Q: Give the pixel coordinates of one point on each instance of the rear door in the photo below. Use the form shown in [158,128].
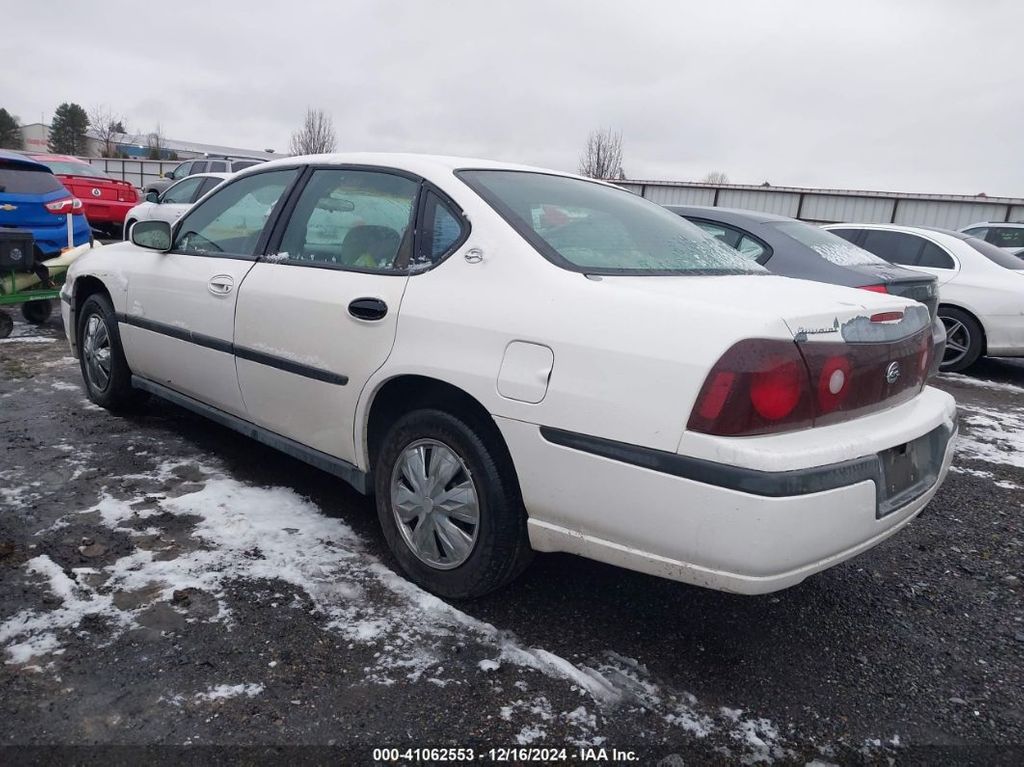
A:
[315,320]
[911,251]
[179,324]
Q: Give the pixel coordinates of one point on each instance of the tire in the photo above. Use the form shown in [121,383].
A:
[100,351]
[37,312]
[499,549]
[964,339]
[6,324]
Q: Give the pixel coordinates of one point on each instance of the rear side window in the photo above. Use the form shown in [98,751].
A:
[352,219]
[935,257]
[19,179]
[231,220]
[239,164]
[978,231]
[443,229]
[750,248]
[1005,236]
[198,167]
[894,247]
[720,232]
[217,167]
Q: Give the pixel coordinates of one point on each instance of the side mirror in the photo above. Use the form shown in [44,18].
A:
[153,235]
[152,196]
[169,174]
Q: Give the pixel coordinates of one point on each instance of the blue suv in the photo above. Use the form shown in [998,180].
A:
[32,199]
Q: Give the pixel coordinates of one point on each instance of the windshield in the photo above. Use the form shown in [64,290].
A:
[996,254]
[593,228]
[66,168]
[829,246]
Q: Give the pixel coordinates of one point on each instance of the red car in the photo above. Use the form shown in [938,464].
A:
[106,199]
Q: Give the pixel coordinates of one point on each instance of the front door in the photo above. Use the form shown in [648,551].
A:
[179,324]
[315,320]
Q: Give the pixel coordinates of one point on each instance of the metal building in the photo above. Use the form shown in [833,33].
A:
[826,206]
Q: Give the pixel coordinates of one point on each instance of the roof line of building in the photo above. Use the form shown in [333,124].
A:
[979,198]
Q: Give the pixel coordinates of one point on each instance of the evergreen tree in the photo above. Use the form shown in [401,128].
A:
[67,133]
[10,133]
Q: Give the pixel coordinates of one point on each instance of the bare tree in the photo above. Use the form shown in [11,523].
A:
[715,177]
[602,156]
[108,127]
[316,136]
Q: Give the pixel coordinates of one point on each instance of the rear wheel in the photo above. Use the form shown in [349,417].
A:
[964,339]
[37,312]
[108,379]
[6,324]
[449,504]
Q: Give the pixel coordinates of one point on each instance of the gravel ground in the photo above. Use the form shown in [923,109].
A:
[166,581]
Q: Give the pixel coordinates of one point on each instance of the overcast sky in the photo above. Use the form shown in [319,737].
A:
[915,95]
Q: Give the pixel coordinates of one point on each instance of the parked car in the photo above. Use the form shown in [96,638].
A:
[792,248]
[34,200]
[173,201]
[105,199]
[513,359]
[1002,234]
[981,287]
[208,164]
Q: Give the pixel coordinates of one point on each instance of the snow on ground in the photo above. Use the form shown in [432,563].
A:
[993,436]
[959,379]
[252,533]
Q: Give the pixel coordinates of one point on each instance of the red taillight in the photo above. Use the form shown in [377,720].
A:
[761,386]
[875,288]
[775,392]
[65,205]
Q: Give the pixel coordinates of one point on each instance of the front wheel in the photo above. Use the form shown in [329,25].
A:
[964,338]
[108,379]
[449,504]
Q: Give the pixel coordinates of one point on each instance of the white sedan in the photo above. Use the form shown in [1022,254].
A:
[516,360]
[170,204]
[981,286]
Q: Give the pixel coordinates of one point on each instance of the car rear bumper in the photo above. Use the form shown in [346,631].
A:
[729,528]
[52,239]
[1004,335]
[102,212]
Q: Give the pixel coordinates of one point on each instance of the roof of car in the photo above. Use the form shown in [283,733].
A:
[22,159]
[421,164]
[727,214]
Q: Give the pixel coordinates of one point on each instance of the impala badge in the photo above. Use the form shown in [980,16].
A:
[892,373]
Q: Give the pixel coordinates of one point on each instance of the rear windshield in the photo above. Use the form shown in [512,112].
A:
[75,169]
[996,254]
[589,227]
[1006,236]
[19,179]
[829,246]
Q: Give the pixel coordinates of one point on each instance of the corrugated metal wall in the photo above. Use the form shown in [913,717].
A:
[835,205]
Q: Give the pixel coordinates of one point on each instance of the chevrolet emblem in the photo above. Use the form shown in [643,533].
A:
[8,206]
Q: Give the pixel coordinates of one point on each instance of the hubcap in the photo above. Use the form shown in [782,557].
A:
[435,504]
[96,353]
[958,340]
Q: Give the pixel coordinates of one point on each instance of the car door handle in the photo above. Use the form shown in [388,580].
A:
[368,309]
[221,285]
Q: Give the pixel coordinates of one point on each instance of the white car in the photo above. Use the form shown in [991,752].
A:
[981,286]
[513,359]
[1003,234]
[173,201]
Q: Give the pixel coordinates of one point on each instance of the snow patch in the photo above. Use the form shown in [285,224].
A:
[226,691]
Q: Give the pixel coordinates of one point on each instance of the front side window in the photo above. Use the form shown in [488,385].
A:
[182,192]
[181,171]
[231,220]
[590,227]
[354,219]
[1005,236]
[829,246]
[894,247]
